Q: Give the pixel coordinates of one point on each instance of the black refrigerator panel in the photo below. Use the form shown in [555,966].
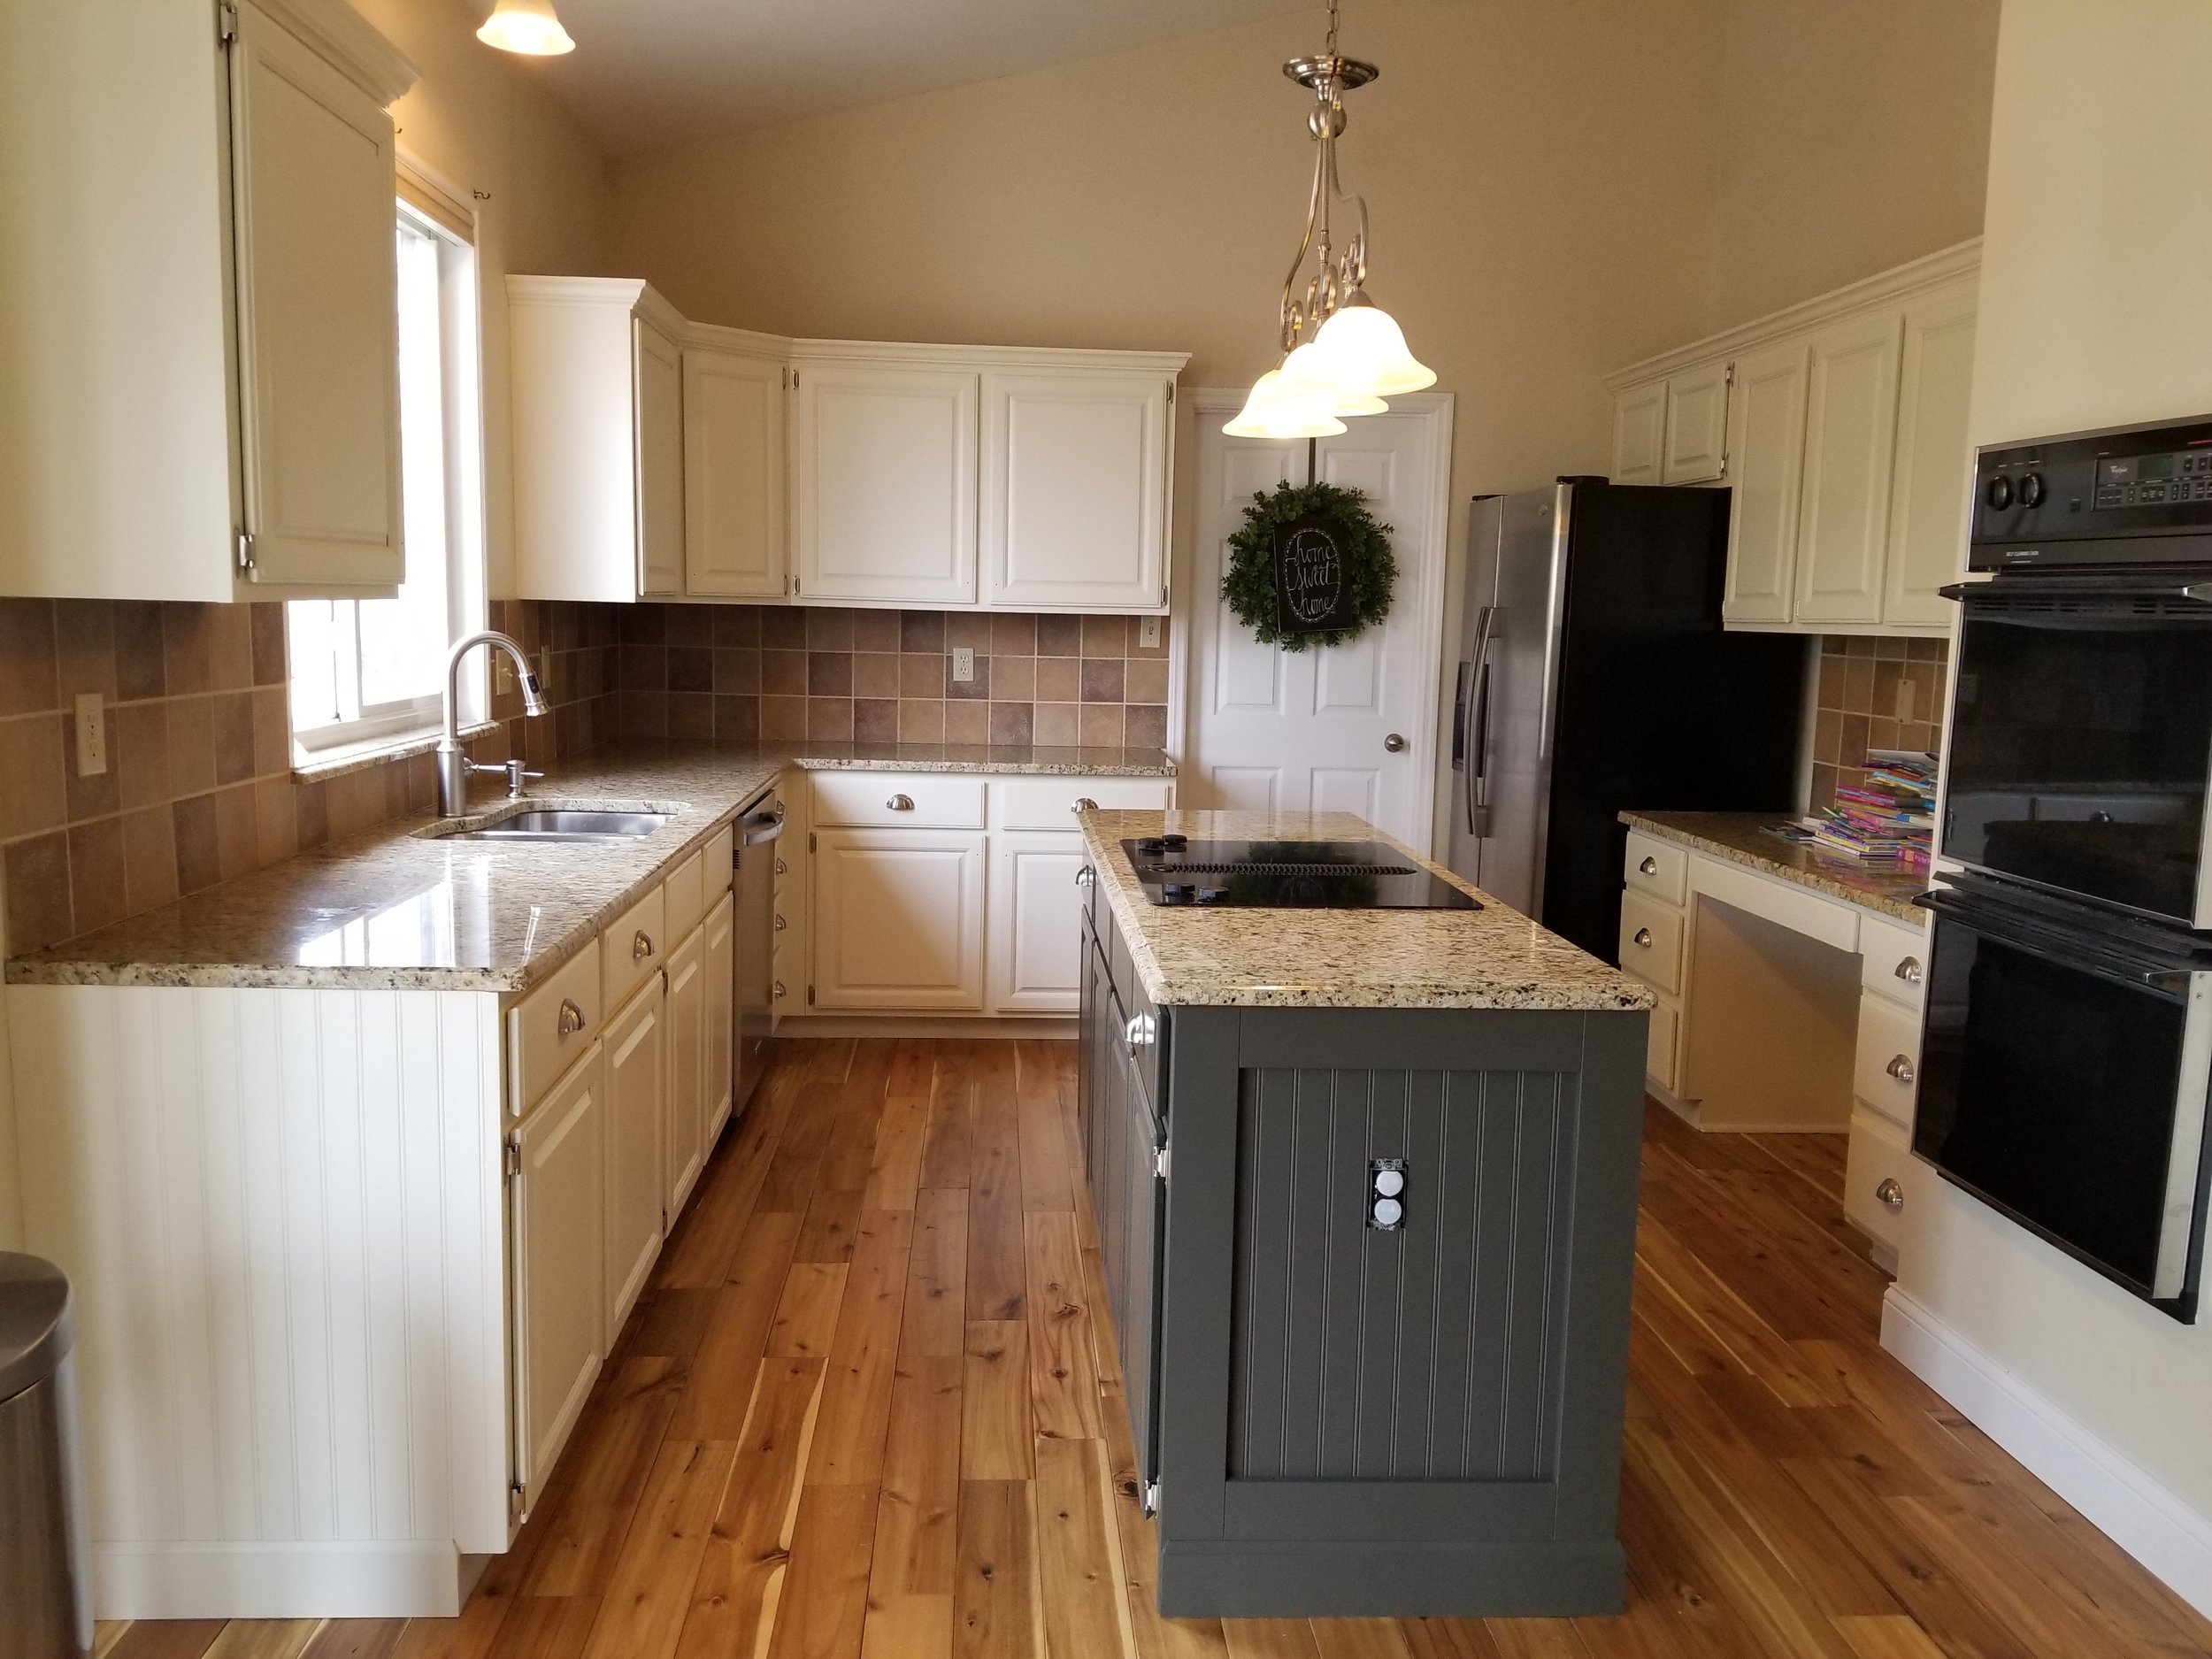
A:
[1659,708]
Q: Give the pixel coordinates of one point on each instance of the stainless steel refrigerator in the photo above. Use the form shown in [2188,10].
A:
[1594,676]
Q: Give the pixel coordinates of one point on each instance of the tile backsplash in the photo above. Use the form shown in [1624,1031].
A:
[1875,692]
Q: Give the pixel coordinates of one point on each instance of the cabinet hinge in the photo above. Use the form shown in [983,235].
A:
[795,584]
[1151,1497]
[810,841]
[810,996]
[226,23]
[1159,1163]
[794,380]
[245,552]
[511,1158]
[1170,392]
[518,1495]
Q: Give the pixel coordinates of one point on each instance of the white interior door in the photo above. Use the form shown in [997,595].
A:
[1312,731]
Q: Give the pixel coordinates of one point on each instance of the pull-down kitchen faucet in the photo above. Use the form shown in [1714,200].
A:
[454,765]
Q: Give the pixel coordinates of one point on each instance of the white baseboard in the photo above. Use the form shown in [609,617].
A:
[2117,1497]
[1690,1113]
[355,1579]
[1042,1027]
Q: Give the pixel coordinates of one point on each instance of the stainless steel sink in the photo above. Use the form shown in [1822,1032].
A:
[566,823]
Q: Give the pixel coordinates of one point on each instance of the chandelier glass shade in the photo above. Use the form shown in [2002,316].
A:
[527,27]
[1342,353]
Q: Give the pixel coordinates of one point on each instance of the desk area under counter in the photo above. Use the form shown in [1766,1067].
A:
[1788,986]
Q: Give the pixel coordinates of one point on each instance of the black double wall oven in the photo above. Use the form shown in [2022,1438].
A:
[2067,1053]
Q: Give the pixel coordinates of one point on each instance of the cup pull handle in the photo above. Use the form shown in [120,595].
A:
[1890,1193]
[640,946]
[901,803]
[1901,1068]
[1908,970]
[1650,866]
[1083,804]
[1643,937]
[572,1018]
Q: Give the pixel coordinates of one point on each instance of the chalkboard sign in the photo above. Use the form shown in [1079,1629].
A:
[1313,589]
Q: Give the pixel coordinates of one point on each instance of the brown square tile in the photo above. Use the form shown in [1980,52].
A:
[921,674]
[238,831]
[967,722]
[1854,750]
[828,629]
[1858,684]
[1830,693]
[191,745]
[737,719]
[875,630]
[976,688]
[1137,649]
[1055,723]
[275,820]
[1889,648]
[198,862]
[1834,644]
[1013,678]
[875,674]
[233,712]
[691,715]
[310,806]
[268,643]
[737,670]
[1013,636]
[1824,790]
[1860,645]
[644,668]
[736,626]
[28,674]
[691,626]
[1103,679]
[782,719]
[828,674]
[783,674]
[149,857]
[641,624]
[185,632]
[970,628]
[921,721]
[829,720]
[142,753]
[1921,650]
[1105,636]
[32,796]
[272,731]
[1828,736]
[1144,725]
[690,668]
[38,892]
[1012,723]
[1059,679]
[99,795]
[642,714]
[783,628]
[921,631]
[1888,675]
[875,719]
[229,645]
[84,641]
[1101,726]
[1882,734]
[138,650]
[1145,680]
[1059,636]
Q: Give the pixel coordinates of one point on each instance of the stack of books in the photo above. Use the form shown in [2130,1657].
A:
[1889,818]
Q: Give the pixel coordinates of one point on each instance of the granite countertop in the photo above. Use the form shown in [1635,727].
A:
[1493,958]
[393,908]
[1741,838]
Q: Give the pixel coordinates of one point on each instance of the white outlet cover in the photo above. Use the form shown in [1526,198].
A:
[92,735]
[1149,631]
[963,663]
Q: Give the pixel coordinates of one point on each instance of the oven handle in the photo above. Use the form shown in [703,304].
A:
[2083,953]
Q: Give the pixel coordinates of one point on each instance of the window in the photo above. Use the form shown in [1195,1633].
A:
[371,671]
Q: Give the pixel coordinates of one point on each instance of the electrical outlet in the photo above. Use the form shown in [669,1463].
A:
[1906,699]
[92,735]
[963,663]
[1148,633]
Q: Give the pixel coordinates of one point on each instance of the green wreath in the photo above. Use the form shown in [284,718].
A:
[1371,568]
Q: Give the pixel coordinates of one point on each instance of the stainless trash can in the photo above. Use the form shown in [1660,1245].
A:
[43,1582]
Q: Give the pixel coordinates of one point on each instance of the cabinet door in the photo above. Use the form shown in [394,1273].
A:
[1935,464]
[637,1089]
[1850,439]
[1142,1197]
[684,1116]
[556,1213]
[733,474]
[1074,490]
[1697,425]
[720,929]
[1639,427]
[885,483]
[1766,449]
[659,366]
[898,919]
[1036,934]
[313,191]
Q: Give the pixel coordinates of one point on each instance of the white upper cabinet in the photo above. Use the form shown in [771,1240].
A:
[1075,490]
[734,425]
[598,413]
[201,392]
[883,486]
[1843,444]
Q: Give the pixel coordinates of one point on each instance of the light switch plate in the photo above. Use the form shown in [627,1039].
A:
[963,663]
[1148,633]
[92,735]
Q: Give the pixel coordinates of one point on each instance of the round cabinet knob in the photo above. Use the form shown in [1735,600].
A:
[2032,490]
[1389,1183]
[640,945]
[1394,744]
[1908,970]
[1650,866]
[1890,1193]
[571,1019]
[1388,1212]
[1999,495]
[1643,937]
[901,803]
[1083,804]
[1901,1068]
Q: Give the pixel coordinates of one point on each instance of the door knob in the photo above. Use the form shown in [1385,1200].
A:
[1394,744]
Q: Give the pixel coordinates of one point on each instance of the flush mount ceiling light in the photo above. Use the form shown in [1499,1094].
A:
[527,27]
[1342,353]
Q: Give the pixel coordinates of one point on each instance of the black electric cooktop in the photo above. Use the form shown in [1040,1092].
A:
[1289,875]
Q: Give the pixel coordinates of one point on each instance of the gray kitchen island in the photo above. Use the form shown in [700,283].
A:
[1365,1182]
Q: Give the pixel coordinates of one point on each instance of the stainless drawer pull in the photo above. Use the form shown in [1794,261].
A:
[1138,1034]
[1890,1193]
[1908,970]
[640,946]
[782,868]
[571,1020]
[1643,937]
[901,803]
[780,924]
[1086,876]
[1083,804]
[1901,1068]
[1650,866]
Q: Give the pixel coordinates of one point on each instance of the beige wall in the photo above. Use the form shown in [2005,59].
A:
[2094,272]
[1854,136]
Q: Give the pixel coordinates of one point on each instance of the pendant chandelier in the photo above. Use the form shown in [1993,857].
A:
[1342,353]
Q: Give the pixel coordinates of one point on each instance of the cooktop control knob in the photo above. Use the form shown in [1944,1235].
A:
[1175,893]
[2032,490]
[1174,843]
[1999,495]
[1211,895]
[1151,844]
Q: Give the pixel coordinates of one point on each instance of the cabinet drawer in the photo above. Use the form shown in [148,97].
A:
[721,865]
[541,1044]
[1879,1177]
[1139,1022]
[1663,1045]
[1892,960]
[1051,803]
[1883,1075]
[633,948]
[892,800]
[1651,942]
[1655,867]
[684,897]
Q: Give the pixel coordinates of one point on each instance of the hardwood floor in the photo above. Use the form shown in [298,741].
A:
[871,1408]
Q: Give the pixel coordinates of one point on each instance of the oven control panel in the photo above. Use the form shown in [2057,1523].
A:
[2134,496]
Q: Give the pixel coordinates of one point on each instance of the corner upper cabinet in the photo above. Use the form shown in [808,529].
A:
[1672,431]
[884,481]
[735,389]
[201,401]
[1640,432]
[1075,485]
[596,376]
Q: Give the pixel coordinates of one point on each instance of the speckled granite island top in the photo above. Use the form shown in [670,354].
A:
[1493,958]
[393,908]
[1741,839]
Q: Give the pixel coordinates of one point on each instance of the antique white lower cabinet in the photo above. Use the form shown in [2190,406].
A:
[898,921]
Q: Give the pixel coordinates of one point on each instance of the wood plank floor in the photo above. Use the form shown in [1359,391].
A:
[871,1408]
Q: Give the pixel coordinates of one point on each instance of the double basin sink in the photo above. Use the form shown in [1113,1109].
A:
[558,823]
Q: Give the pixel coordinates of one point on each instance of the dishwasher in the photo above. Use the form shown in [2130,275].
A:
[759,825]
